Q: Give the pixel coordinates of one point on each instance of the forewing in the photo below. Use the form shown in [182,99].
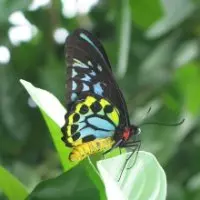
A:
[89,71]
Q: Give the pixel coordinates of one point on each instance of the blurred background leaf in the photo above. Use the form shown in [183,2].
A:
[144,19]
[67,186]
[162,72]
[10,186]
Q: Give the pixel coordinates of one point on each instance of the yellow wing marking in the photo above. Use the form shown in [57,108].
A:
[77,142]
[114,116]
[103,103]
[69,130]
[70,140]
[78,107]
[70,118]
[90,100]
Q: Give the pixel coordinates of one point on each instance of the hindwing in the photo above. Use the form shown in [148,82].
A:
[90,118]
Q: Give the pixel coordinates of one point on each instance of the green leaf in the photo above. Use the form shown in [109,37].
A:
[145,166]
[144,180]
[187,79]
[7,7]
[53,113]
[94,175]
[187,52]
[74,185]
[158,60]
[11,187]
[125,37]
[145,12]
[172,18]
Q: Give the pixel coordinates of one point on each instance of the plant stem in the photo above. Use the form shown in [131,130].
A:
[125,33]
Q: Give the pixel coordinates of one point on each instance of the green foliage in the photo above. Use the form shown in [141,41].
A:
[67,186]
[143,18]
[10,186]
[171,17]
[8,7]
[134,179]
[191,87]
[53,113]
[160,70]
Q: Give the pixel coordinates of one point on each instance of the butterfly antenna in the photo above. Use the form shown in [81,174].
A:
[164,124]
[149,110]
[147,113]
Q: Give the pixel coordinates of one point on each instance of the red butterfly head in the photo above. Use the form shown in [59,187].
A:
[130,131]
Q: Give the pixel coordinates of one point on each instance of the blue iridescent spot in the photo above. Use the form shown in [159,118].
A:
[74,85]
[87,131]
[92,73]
[73,96]
[86,78]
[97,133]
[85,87]
[103,134]
[98,89]
[101,123]
[80,126]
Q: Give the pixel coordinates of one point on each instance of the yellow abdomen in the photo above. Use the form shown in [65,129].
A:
[83,150]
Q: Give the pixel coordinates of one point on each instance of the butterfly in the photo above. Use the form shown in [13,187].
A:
[97,118]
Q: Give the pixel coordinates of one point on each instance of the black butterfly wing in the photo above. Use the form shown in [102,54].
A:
[89,72]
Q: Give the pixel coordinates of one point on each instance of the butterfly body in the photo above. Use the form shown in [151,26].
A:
[86,149]
[97,117]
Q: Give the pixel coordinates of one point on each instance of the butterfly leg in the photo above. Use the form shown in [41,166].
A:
[135,147]
[135,144]
[120,151]
[113,147]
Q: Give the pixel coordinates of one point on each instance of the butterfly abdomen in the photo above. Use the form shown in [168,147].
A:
[82,151]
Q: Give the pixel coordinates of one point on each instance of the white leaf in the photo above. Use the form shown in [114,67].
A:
[47,102]
[146,180]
